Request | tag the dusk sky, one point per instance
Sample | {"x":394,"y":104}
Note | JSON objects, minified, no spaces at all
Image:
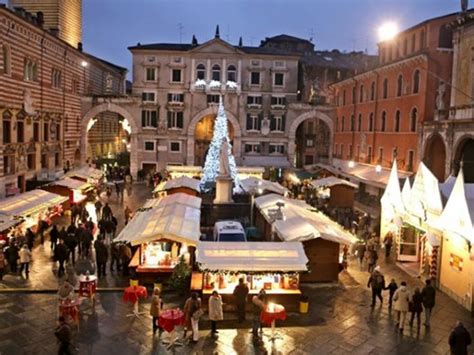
{"x":110,"y":26}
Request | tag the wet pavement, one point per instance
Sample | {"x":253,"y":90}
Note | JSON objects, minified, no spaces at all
{"x":340,"y":320}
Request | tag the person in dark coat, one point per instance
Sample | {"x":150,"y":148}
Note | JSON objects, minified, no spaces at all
{"x":98,"y":209}
{"x":106,"y":212}
{"x":392,"y":287}
{"x":377,"y":283}
{"x":30,"y":238}
{"x":416,"y":306}
{"x":101,"y":256}
{"x":71,"y":244}
{"x":53,"y":237}
{"x":115,"y":254}
{"x":64,"y":335}
{"x":101,"y":225}
{"x":90,"y":225}
{"x":125,"y":257}
{"x":241,"y":292}
{"x":60,"y":255}
{"x":459,"y":339}
{"x":79,"y":235}
{"x":87,"y":242}
{"x":13,"y":255}
{"x":429,"y":298}
{"x":84,"y":215}
{"x":71,"y":229}
{"x":63,"y":234}
{"x":361,"y":254}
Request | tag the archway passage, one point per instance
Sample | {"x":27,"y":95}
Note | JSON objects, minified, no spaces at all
{"x":312,"y":142}
{"x":203,"y":136}
{"x":435,"y":156}
{"x":465,"y":158}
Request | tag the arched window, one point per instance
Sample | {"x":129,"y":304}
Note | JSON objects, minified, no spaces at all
{"x":416,"y":82}
{"x":396,"y":126}
{"x":405,"y":46}
{"x":400,"y":85}
{"x":354,"y":95}
{"x":383,"y":121}
{"x":343,"y":123}
{"x":352,"y":123}
{"x":361,"y":93}
{"x":231,"y":73}
{"x":372,"y":91}
{"x":422,"y":39}
{"x":6,"y":60}
{"x":201,"y":72}
{"x":344,"y":98}
{"x":445,"y":39}
{"x":371,"y":122}
{"x":216,"y":72}
{"x":337,"y":124}
{"x":413,"y":119}
{"x":359,"y":122}
{"x":385,"y":88}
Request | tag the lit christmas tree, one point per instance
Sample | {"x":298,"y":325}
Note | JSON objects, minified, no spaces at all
{"x":212,"y":164}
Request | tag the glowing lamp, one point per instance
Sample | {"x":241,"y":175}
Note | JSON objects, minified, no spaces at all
{"x":84,"y":64}
{"x":378,"y":168}
{"x":387,"y":31}
{"x":351,"y":164}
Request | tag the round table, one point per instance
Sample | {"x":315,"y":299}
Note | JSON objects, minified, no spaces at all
{"x":132,"y":294}
{"x":69,"y":308}
{"x":270,"y":314}
{"x":169,"y":320}
{"x":87,"y":286}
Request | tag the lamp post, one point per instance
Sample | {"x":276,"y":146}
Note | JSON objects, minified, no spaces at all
{"x":253,"y":191}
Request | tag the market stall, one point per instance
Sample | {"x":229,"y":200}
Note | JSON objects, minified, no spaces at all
{"x":339,"y":192}
{"x":182,"y":184}
{"x":87,"y":174}
{"x":33,"y":206}
{"x":292,"y":220}
{"x":274,"y":267}
{"x":253,"y":184}
{"x":76,"y":190}
{"x":164,"y":230}
{"x":243,"y":172}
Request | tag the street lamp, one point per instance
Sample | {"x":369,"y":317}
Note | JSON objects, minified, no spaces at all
{"x":84,"y":63}
{"x":351,"y":164}
{"x":378,"y":168}
{"x":387,"y":31}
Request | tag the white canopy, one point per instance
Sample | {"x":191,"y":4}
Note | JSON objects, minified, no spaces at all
{"x":251,"y":256}
{"x":30,"y":202}
{"x":298,"y":221}
{"x":7,"y":221}
{"x":331,"y":181}
{"x":252,"y":182}
{"x":392,"y":196}
{"x":72,"y":184}
{"x":175,"y":217}
{"x":182,"y":181}
{"x":86,"y":173}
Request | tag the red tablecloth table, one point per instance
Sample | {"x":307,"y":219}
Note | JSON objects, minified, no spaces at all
{"x":87,"y":286}
{"x":69,"y":309}
{"x":169,"y":320}
{"x":132,"y":294}
{"x":270,"y":314}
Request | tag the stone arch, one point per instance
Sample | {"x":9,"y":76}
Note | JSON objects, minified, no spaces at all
{"x":192,"y":128}
{"x":300,"y":119}
{"x":463,"y":143}
{"x":434,"y":155}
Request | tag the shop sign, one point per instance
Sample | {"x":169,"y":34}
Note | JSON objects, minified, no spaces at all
{"x":456,"y":262}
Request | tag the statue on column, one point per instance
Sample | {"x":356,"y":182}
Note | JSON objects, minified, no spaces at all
{"x":224,"y":167}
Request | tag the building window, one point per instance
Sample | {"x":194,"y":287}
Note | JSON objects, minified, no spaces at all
{"x":175,"y":147}
{"x":6,"y":59}
{"x":413,"y":119}
{"x":416,"y":82}
{"x":445,"y":39}
{"x":8,"y":164}
{"x":400,"y":85}
{"x":397,"y":121}
{"x":231,"y":73}
{"x":30,"y":70}
{"x":308,"y":159}
{"x":75,"y":86}
{"x":422,"y":39}
{"x":254,"y":122}
{"x":276,"y":148}
{"x":20,"y":131}
{"x":277,"y":123}
{"x":349,"y":156}
{"x":31,"y":161}
{"x":413,"y":42}
{"x":310,"y":143}
{"x":385,"y":88}
{"x":371,"y":122}
{"x":380,"y":160}
{"x":201,"y":72}
{"x":213,"y":99}
{"x":372,"y":91}
{"x":278,"y":100}
{"x":254,"y":100}
{"x":7,"y":134}
{"x":175,"y":120}
{"x":46,"y":132}
{"x":56,"y":78}
{"x":57,"y":160}
{"x":361,"y":93}
{"x":411,"y":157}
{"x":341,"y":151}
{"x":383,"y":122}
{"x":149,"y":118}
{"x":369,"y":154}
{"x":253,"y":148}
{"x":175,"y":97}
{"x":343,"y":123}
{"x":353,"y":95}
{"x":344,"y":98}
{"x":148,"y":96}
{"x":352,"y":123}
{"x":44,"y":161}
{"x":150,"y":74}
{"x":359,"y":122}
{"x":150,"y":146}
{"x":36,"y":132}
{"x":216,"y":72}
{"x":176,"y":76}
{"x":337,"y":124}
{"x":405,"y":46}
{"x":255,"y":78}
{"x":278,"y":79}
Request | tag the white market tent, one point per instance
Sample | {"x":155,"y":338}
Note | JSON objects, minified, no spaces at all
{"x":182,"y":181}
{"x":175,"y":217}
{"x":251,"y":256}
{"x":7,"y":221}
{"x":87,"y":173}
{"x":331,"y":181}
{"x":30,"y":203}
{"x":72,"y":184}
{"x":252,"y":182}
{"x":300,"y":222}
{"x":392,"y":196}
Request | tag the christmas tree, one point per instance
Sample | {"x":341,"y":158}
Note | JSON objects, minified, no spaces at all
{"x":212,"y":163}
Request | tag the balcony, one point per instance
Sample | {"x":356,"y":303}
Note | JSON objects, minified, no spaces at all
{"x":254,"y":106}
{"x":278,"y":107}
{"x":175,"y":104}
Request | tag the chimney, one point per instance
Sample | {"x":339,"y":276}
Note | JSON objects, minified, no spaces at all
{"x":240,"y":41}
{"x":79,"y":46}
{"x":194,"y":41}
{"x":40,"y":19}
{"x":217,"y":35}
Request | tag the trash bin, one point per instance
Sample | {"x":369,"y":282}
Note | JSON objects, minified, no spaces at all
{"x":304,"y":304}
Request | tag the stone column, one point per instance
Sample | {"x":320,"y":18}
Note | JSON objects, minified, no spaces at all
{"x":224,"y":71}
{"x":190,"y":150}
{"x":208,"y":70}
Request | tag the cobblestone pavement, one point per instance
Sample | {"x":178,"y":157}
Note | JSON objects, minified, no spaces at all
{"x":340,"y":320}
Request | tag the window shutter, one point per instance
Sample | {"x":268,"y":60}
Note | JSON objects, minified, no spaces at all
{"x":249,"y":100}
{"x":143,"y":118}
{"x":272,"y":123}
{"x":259,"y":100}
{"x":179,"y":119}
{"x":154,"y":121}
{"x":283,"y":100}
{"x":260,"y":119}
{"x":170,"y":97}
{"x":274,"y":100}
{"x":283,"y":123}
{"x":169,"y":119}
{"x":181,"y":97}
{"x":249,"y":122}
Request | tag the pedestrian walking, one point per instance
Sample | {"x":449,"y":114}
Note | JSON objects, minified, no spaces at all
{"x":117,"y":190}
{"x":30,"y":238}
{"x":361,"y":249}
{"x":429,"y":298}
{"x":125,"y":256}
{"x":13,"y":257}
{"x":345,"y":257}
{"x":71,"y":244}
{"x":371,"y":257}
{"x":101,"y":257}
{"x":240,"y":298}
{"x":377,"y":283}
{"x":392,"y":287}
{"x":115,"y":256}
{"x":193,"y":311}
{"x":459,"y":339}
{"x":155,"y":309}
{"x":3,"y":263}
{"x":53,"y":237}
{"x":60,"y":255}
{"x":25,"y":258}
{"x":90,"y":225}
{"x":98,"y":209}
{"x":416,"y":307}
{"x":63,"y":335}
{"x":402,"y":301}
{"x":258,"y":306}
{"x":388,"y":242}
{"x":106,"y":212}
{"x":216,"y":313}
{"x":127,"y":214}
{"x":86,"y":242}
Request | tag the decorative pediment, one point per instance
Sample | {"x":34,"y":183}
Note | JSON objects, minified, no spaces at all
{"x":7,"y":115}
{"x":46,"y":117}
{"x":9,"y":149}
{"x":218,"y":46}
{"x":31,"y":148}
{"x":21,"y":149}
{"x":21,"y":115}
{"x":44,"y":148}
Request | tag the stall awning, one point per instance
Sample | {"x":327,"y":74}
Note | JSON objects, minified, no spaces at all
{"x":251,"y":256}
{"x":175,"y":217}
{"x":266,"y":160}
{"x":182,"y":181}
{"x":7,"y":221}
{"x":331,"y":181}
{"x":87,"y":174}
{"x":72,"y":184}
{"x":31,"y":202}
{"x":250,"y":183}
